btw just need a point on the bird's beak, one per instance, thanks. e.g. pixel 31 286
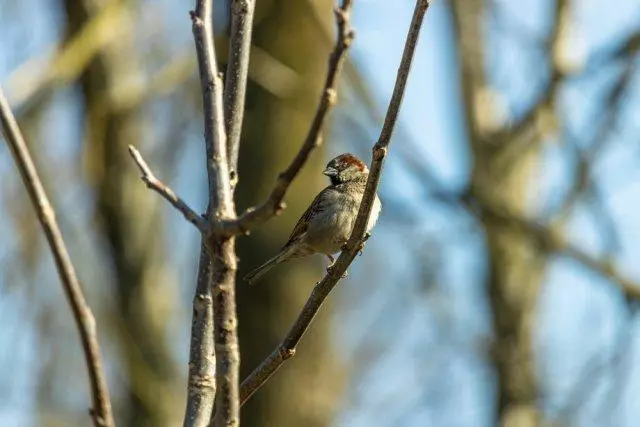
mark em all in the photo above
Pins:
pixel 329 171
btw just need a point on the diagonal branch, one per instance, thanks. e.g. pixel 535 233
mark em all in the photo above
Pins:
pixel 85 322
pixel 287 347
pixel 235 86
pixel 274 204
pixel 158 186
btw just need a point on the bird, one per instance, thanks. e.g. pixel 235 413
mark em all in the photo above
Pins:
pixel 327 223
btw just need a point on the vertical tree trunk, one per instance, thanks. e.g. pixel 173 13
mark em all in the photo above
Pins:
pixel 306 391
pixel 129 216
pixel 515 263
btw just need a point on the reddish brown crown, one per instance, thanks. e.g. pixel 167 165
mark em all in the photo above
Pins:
pixel 348 160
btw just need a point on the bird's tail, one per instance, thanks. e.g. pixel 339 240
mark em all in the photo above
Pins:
pixel 256 274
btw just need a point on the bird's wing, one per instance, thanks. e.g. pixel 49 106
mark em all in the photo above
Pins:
pixel 317 205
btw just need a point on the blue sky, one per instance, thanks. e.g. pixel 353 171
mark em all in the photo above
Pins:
pixel 434 360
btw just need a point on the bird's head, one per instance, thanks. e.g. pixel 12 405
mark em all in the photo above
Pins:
pixel 346 167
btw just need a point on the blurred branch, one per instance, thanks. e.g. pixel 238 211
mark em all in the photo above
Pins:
pixel 621 366
pixel 624 50
pixel 585 184
pixel 274 204
pixel 85 322
pixel 158 186
pixel 594 372
pixel 551 240
pixel 236 78
pixel 221 248
pixel 545 234
pixel 516 29
pixel 506 137
pixel 28 83
pixel 287 347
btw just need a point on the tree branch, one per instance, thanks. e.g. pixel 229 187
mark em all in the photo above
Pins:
pixel 274 204
pixel 506 139
pixel 85 322
pixel 221 249
pixel 214 132
pixel 287 347
pixel 552 241
pixel 236 79
pixel 202 357
pixel 158 186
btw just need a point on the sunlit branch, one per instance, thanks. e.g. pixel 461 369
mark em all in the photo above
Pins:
pixel 221 249
pixel 85 322
pixel 274 204
pixel 287 347
pixel 158 186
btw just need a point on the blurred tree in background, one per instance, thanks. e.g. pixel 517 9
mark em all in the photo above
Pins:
pixel 498 289
pixel 278 117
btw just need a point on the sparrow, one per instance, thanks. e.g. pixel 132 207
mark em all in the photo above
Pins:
pixel 327 223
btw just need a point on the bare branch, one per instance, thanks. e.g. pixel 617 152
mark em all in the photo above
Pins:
pixel 202 360
pixel 236 78
pixel 211 86
pixel 545 235
pixel 221 249
pixel 287 348
pixel 158 186
pixel 552 241
pixel 506 139
pixel 85 322
pixel 274 204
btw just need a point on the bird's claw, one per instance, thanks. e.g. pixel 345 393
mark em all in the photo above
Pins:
pixel 364 239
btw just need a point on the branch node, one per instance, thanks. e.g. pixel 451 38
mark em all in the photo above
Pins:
pixel 330 96
pixel 280 207
pixel 348 37
pixel 233 178
pixel 379 152
pixel 167 193
pixel 195 19
pixel 287 353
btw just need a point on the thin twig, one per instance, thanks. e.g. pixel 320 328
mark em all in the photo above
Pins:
pixel 85 322
pixel 220 248
pixel 274 204
pixel 235 86
pixel 158 186
pixel 287 348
